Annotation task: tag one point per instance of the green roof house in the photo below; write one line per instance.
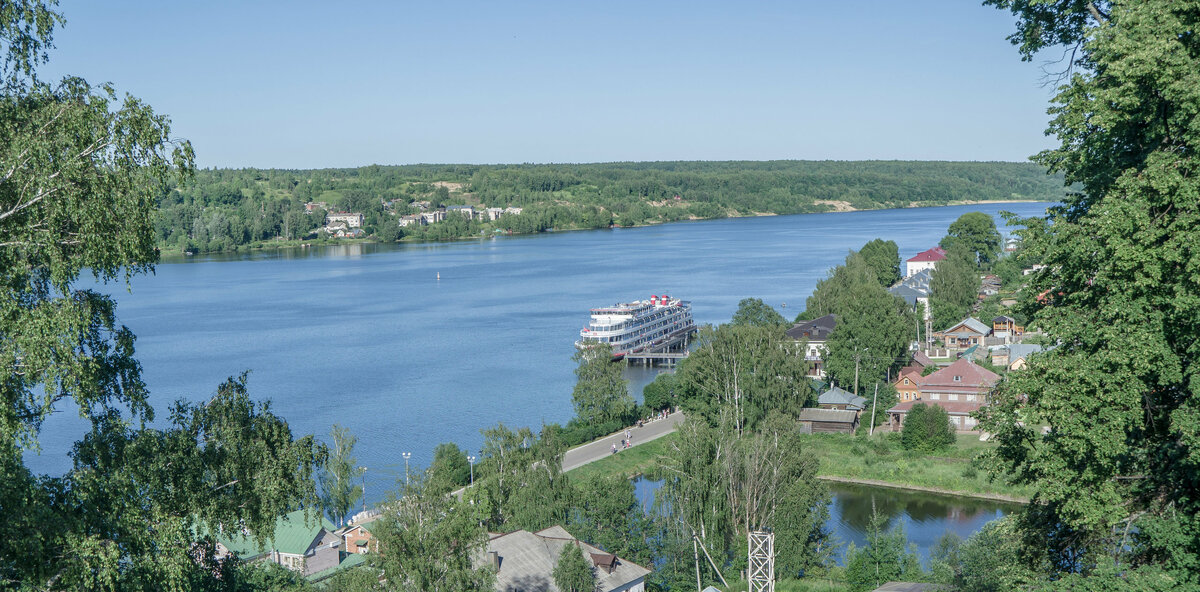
(307, 546)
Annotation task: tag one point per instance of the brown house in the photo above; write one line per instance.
(357, 539)
(818, 421)
(960, 388)
(908, 383)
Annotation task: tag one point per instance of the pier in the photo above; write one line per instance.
(656, 358)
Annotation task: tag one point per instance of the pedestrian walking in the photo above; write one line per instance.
(614, 449)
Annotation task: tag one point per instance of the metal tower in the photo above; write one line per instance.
(762, 561)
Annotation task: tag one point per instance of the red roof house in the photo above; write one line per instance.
(924, 260)
(960, 388)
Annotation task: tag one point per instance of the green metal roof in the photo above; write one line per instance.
(350, 561)
(292, 535)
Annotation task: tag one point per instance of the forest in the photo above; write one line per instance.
(230, 209)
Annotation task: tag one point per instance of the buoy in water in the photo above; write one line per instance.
(439, 275)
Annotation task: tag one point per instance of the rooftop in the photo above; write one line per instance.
(832, 415)
(293, 534)
(814, 330)
(969, 377)
(527, 561)
(934, 254)
(951, 407)
(971, 323)
(837, 396)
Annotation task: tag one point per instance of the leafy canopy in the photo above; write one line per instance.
(1116, 493)
(975, 233)
(756, 313)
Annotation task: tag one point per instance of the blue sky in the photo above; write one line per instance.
(325, 84)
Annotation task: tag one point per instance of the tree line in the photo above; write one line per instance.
(228, 209)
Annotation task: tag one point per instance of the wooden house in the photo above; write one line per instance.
(818, 421)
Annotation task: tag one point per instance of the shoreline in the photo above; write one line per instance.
(876, 483)
(837, 207)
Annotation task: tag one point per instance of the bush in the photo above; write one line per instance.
(927, 428)
(660, 394)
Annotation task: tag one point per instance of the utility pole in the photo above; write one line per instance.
(874, 401)
(857, 357)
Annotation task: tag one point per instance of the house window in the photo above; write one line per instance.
(969, 397)
(906, 381)
(957, 379)
(934, 397)
(953, 397)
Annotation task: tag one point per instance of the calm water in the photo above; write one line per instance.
(925, 517)
(368, 337)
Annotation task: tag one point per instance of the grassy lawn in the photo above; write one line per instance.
(880, 458)
(641, 459)
(805, 585)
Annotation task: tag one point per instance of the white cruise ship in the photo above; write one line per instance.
(655, 325)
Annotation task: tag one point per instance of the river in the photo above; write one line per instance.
(369, 337)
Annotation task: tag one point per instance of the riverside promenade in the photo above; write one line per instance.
(601, 448)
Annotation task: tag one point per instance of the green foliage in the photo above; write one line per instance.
(974, 233)
(1115, 477)
(430, 541)
(884, 258)
(265, 575)
(661, 393)
(601, 393)
(754, 312)
(608, 516)
(744, 372)
(718, 485)
(884, 559)
(990, 561)
(944, 560)
(927, 429)
(450, 468)
(573, 572)
(83, 169)
(364, 578)
(874, 327)
(338, 478)
(225, 209)
(953, 288)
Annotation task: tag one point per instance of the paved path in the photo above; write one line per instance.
(598, 449)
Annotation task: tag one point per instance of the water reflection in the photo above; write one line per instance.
(925, 517)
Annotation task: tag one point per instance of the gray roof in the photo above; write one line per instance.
(974, 324)
(814, 330)
(832, 415)
(1017, 351)
(527, 561)
(837, 396)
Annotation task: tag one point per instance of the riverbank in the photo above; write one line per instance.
(879, 460)
(843, 458)
(171, 253)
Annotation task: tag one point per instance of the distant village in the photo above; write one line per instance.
(944, 370)
(522, 560)
(350, 224)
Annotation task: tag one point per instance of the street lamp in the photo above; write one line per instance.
(471, 461)
(406, 455)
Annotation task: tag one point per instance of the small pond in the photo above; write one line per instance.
(925, 517)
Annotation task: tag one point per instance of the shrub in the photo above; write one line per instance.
(927, 428)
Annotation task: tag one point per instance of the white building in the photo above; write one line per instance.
(924, 260)
(352, 220)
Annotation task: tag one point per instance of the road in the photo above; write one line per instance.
(598, 449)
